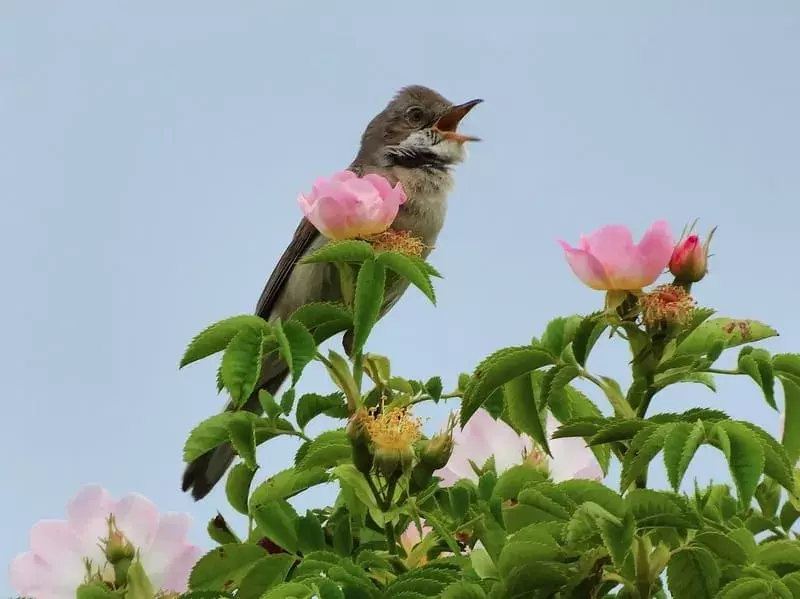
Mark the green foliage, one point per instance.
(368, 301)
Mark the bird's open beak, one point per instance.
(448, 123)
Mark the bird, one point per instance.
(413, 141)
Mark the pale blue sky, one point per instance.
(152, 152)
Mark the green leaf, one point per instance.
(296, 345)
(746, 588)
(266, 573)
(268, 404)
(241, 364)
(560, 333)
(220, 532)
(237, 487)
(777, 464)
(586, 335)
(327, 450)
(554, 383)
(312, 405)
(724, 546)
(643, 448)
(674, 377)
(323, 319)
(287, 483)
(289, 590)
(758, 365)
(217, 337)
(791, 412)
(368, 301)
(278, 522)
(779, 553)
(242, 433)
(224, 565)
(581, 491)
(575, 404)
(348, 250)
(213, 432)
(523, 411)
(139, 585)
(495, 371)
(545, 499)
(434, 388)
(731, 332)
(693, 572)
(792, 580)
(93, 591)
(409, 269)
(343, 534)
(618, 430)
(310, 535)
(680, 446)
(658, 509)
(287, 401)
(745, 456)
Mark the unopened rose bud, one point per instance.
(393, 462)
(117, 547)
(689, 261)
(438, 450)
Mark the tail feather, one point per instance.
(202, 475)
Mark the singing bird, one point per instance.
(414, 141)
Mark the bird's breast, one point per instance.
(425, 210)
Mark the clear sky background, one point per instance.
(151, 154)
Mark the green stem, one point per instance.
(641, 411)
(391, 540)
(723, 371)
(358, 370)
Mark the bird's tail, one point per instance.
(205, 472)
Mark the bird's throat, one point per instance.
(418, 158)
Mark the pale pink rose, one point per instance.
(56, 563)
(348, 206)
(609, 260)
(483, 436)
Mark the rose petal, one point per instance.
(88, 513)
(571, 457)
(381, 184)
(654, 252)
(137, 519)
(177, 578)
(168, 544)
(586, 267)
(57, 545)
(26, 573)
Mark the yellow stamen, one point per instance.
(667, 304)
(394, 429)
(403, 242)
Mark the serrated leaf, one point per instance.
(296, 346)
(266, 573)
(554, 383)
(408, 269)
(312, 405)
(586, 335)
(559, 333)
(777, 464)
(791, 414)
(758, 365)
(327, 450)
(745, 456)
(497, 370)
(673, 378)
(242, 434)
(680, 446)
(310, 535)
(213, 432)
(618, 430)
(724, 546)
(658, 509)
(575, 404)
(228, 563)
(93, 591)
(342, 534)
(746, 588)
(368, 301)
(237, 487)
(522, 409)
(241, 364)
(779, 553)
(731, 332)
(538, 497)
(348, 250)
(581, 491)
(581, 427)
(289, 590)
(268, 404)
(287, 483)
(139, 584)
(278, 522)
(217, 337)
(643, 448)
(693, 572)
(434, 388)
(323, 319)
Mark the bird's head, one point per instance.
(418, 128)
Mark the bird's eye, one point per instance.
(415, 116)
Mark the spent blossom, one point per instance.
(99, 532)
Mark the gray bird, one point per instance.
(413, 141)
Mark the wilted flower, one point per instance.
(66, 554)
(483, 437)
(347, 206)
(394, 432)
(609, 260)
(689, 261)
(667, 304)
(398, 241)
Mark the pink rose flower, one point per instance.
(609, 260)
(66, 554)
(483, 436)
(348, 206)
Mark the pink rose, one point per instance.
(609, 260)
(347, 206)
(483, 436)
(689, 261)
(56, 564)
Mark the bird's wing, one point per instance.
(302, 239)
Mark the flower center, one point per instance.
(394, 429)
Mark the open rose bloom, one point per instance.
(347, 206)
(66, 554)
(608, 259)
(483, 437)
